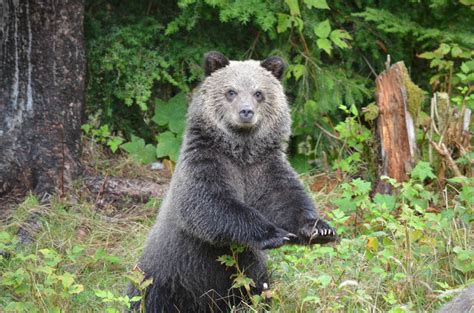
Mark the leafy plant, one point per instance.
(357, 138)
(171, 114)
(103, 135)
(21, 282)
(241, 281)
(138, 54)
(143, 153)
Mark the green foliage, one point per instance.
(422, 171)
(143, 153)
(399, 252)
(43, 279)
(241, 281)
(357, 138)
(80, 261)
(141, 56)
(20, 281)
(447, 58)
(394, 253)
(171, 114)
(103, 135)
(232, 261)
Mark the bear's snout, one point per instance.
(246, 115)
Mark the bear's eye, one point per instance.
(230, 94)
(259, 96)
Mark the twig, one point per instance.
(254, 44)
(326, 131)
(444, 152)
(370, 66)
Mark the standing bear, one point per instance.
(232, 184)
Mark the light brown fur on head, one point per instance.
(271, 121)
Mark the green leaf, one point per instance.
(443, 49)
(294, 7)
(5, 237)
(467, 67)
(86, 128)
(324, 280)
(104, 294)
(168, 145)
(114, 143)
(284, 22)
(134, 146)
(75, 289)
(322, 29)
(318, 4)
(243, 281)
(428, 55)
(338, 36)
(298, 22)
(388, 200)
(139, 151)
(67, 279)
(422, 171)
(226, 260)
(354, 110)
(298, 70)
(310, 107)
(456, 51)
(311, 299)
(324, 44)
(171, 113)
(361, 186)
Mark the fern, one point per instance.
(401, 25)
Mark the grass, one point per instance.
(395, 255)
(108, 244)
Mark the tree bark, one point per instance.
(395, 126)
(42, 73)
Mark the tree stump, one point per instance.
(395, 126)
(42, 79)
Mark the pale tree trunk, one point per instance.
(42, 72)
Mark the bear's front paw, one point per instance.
(275, 238)
(317, 231)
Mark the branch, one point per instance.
(444, 152)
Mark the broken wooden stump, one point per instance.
(398, 101)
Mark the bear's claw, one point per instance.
(322, 233)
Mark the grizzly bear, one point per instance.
(232, 184)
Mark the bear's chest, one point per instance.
(248, 181)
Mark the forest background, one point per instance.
(407, 251)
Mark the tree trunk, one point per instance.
(42, 72)
(395, 126)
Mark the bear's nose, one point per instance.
(246, 115)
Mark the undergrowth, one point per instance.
(399, 253)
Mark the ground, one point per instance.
(394, 255)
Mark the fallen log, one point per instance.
(117, 188)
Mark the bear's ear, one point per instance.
(275, 65)
(213, 61)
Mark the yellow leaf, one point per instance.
(372, 244)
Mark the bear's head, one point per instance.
(245, 98)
